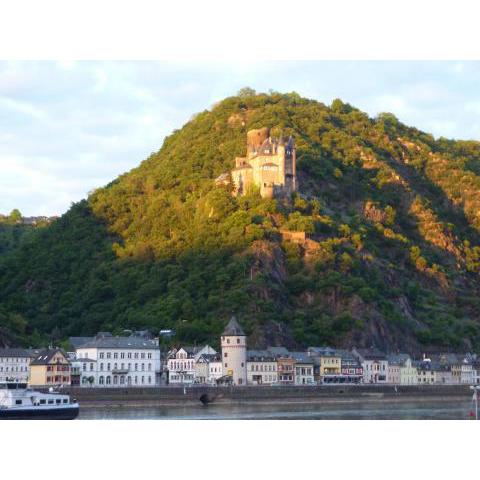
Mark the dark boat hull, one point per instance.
(37, 414)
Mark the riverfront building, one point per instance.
(50, 368)
(261, 367)
(120, 361)
(374, 364)
(14, 365)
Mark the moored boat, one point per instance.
(18, 402)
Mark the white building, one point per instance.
(122, 361)
(374, 364)
(261, 367)
(215, 370)
(467, 375)
(303, 368)
(14, 364)
(234, 352)
(182, 365)
(85, 370)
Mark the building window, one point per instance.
(238, 340)
(225, 354)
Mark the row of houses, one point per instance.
(100, 361)
(134, 360)
(322, 365)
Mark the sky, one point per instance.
(67, 128)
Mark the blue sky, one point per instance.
(69, 127)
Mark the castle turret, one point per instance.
(234, 352)
(255, 139)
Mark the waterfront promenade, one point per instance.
(322, 394)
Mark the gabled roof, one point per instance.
(137, 343)
(233, 328)
(209, 357)
(260, 356)
(398, 359)
(278, 350)
(77, 342)
(301, 357)
(14, 352)
(322, 351)
(45, 356)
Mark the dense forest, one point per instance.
(392, 259)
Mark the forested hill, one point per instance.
(392, 216)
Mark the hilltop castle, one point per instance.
(270, 164)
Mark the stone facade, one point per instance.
(270, 165)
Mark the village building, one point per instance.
(374, 364)
(83, 372)
(428, 372)
(132, 361)
(327, 363)
(286, 369)
(215, 369)
(408, 372)
(14, 365)
(261, 367)
(234, 352)
(181, 365)
(443, 375)
(49, 367)
(351, 368)
(303, 368)
(270, 166)
(205, 372)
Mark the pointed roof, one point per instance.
(233, 328)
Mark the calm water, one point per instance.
(427, 410)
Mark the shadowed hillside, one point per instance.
(391, 255)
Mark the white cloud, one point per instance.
(67, 127)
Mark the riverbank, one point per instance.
(267, 395)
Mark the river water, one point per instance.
(365, 410)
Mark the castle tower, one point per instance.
(270, 165)
(234, 352)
